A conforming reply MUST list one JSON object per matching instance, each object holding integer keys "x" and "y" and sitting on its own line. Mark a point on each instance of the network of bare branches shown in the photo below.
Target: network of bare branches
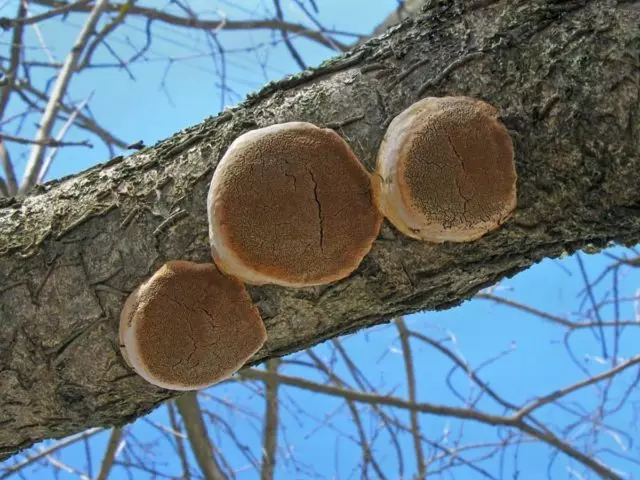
{"x": 557, "y": 394}
{"x": 52, "y": 46}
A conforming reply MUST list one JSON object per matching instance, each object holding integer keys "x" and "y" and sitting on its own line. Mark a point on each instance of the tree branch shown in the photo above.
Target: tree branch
{"x": 441, "y": 410}
{"x": 50, "y": 114}
{"x": 170, "y": 19}
{"x": 189, "y": 409}
{"x": 552, "y": 397}
{"x": 44, "y": 142}
{"x": 182, "y": 454}
{"x": 71, "y": 252}
{"x": 411, "y": 387}
{"x": 7, "y": 23}
{"x": 110, "y": 453}
{"x": 270, "y": 431}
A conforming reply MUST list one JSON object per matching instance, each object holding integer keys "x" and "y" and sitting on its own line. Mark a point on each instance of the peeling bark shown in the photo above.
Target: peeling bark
{"x": 566, "y": 78}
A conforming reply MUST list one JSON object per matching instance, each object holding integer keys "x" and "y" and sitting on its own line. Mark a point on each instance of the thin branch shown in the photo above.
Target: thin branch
{"x": 45, "y": 142}
{"x": 285, "y": 38}
{"x": 189, "y": 409}
{"x": 411, "y": 387}
{"x": 85, "y": 121}
{"x": 13, "y": 469}
{"x": 165, "y": 17}
{"x": 441, "y": 410}
{"x": 552, "y": 397}
{"x": 14, "y": 62}
{"x": 7, "y": 23}
{"x": 47, "y": 162}
{"x": 117, "y": 21}
{"x": 364, "y": 443}
{"x": 182, "y": 454}
{"x": 270, "y": 431}
{"x": 113, "y": 445}
{"x": 5, "y": 94}
{"x": 4, "y": 191}
{"x": 553, "y": 318}
{"x": 66, "y": 468}
{"x": 5, "y": 159}
{"x": 589, "y": 290}
{"x": 62, "y": 82}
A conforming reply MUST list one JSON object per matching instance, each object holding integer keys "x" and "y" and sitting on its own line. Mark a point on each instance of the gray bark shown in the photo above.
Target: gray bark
{"x": 566, "y": 76}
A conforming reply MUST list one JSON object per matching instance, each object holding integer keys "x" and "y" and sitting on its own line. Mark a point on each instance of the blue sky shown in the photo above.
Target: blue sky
{"x": 317, "y": 438}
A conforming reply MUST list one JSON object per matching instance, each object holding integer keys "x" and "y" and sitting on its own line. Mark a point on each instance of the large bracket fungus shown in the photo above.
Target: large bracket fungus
{"x": 291, "y": 205}
{"x": 446, "y": 170}
{"x": 189, "y": 326}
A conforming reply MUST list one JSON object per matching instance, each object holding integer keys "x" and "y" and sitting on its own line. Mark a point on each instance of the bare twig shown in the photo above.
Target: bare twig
{"x": 36, "y": 158}
{"x": 47, "y": 162}
{"x": 189, "y": 409}
{"x": 182, "y": 454}
{"x": 589, "y": 291}
{"x": 113, "y": 446}
{"x": 5, "y": 94}
{"x": 54, "y": 12}
{"x": 411, "y": 387}
{"x": 14, "y": 61}
{"x": 67, "y": 468}
{"x": 552, "y": 397}
{"x": 553, "y": 318}
{"x": 153, "y": 14}
{"x": 85, "y": 122}
{"x": 270, "y": 431}
{"x": 13, "y": 469}
{"x": 442, "y": 410}
{"x": 285, "y": 38}
{"x": 45, "y": 142}
{"x": 364, "y": 442}
{"x": 4, "y": 191}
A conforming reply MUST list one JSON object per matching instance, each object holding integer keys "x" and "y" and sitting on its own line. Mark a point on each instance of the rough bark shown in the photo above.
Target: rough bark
{"x": 566, "y": 76}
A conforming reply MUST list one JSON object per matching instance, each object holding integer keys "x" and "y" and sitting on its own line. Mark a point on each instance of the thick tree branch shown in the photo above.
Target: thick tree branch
{"x": 566, "y": 78}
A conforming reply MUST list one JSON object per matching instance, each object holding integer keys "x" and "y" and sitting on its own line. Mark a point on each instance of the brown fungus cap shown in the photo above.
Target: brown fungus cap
{"x": 291, "y": 205}
{"x": 189, "y": 326}
{"x": 446, "y": 170}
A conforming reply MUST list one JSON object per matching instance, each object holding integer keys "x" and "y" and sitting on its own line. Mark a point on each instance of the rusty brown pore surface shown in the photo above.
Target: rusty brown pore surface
{"x": 566, "y": 78}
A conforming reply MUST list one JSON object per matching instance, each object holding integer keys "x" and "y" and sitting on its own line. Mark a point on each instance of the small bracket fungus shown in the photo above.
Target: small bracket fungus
{"x": 446, "y": 170}
{"x": 189, "y": 326}
{"x": 291, "y": 205}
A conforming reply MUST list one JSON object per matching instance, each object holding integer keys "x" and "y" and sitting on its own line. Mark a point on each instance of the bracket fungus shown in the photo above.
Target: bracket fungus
{"x": 189, "y": 326}
{"x": 291, "y": 205}
{"x": 446, "y": 170}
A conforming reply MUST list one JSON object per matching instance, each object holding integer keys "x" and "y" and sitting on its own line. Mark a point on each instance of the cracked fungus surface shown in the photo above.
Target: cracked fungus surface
{"x": 205, "y": 329}
{"x": 294, "y": 203}
{"x": 459, "y": 168}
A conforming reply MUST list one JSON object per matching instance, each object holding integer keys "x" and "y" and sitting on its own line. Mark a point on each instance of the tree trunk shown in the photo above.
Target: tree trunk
{"x": 566, "y": 77}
